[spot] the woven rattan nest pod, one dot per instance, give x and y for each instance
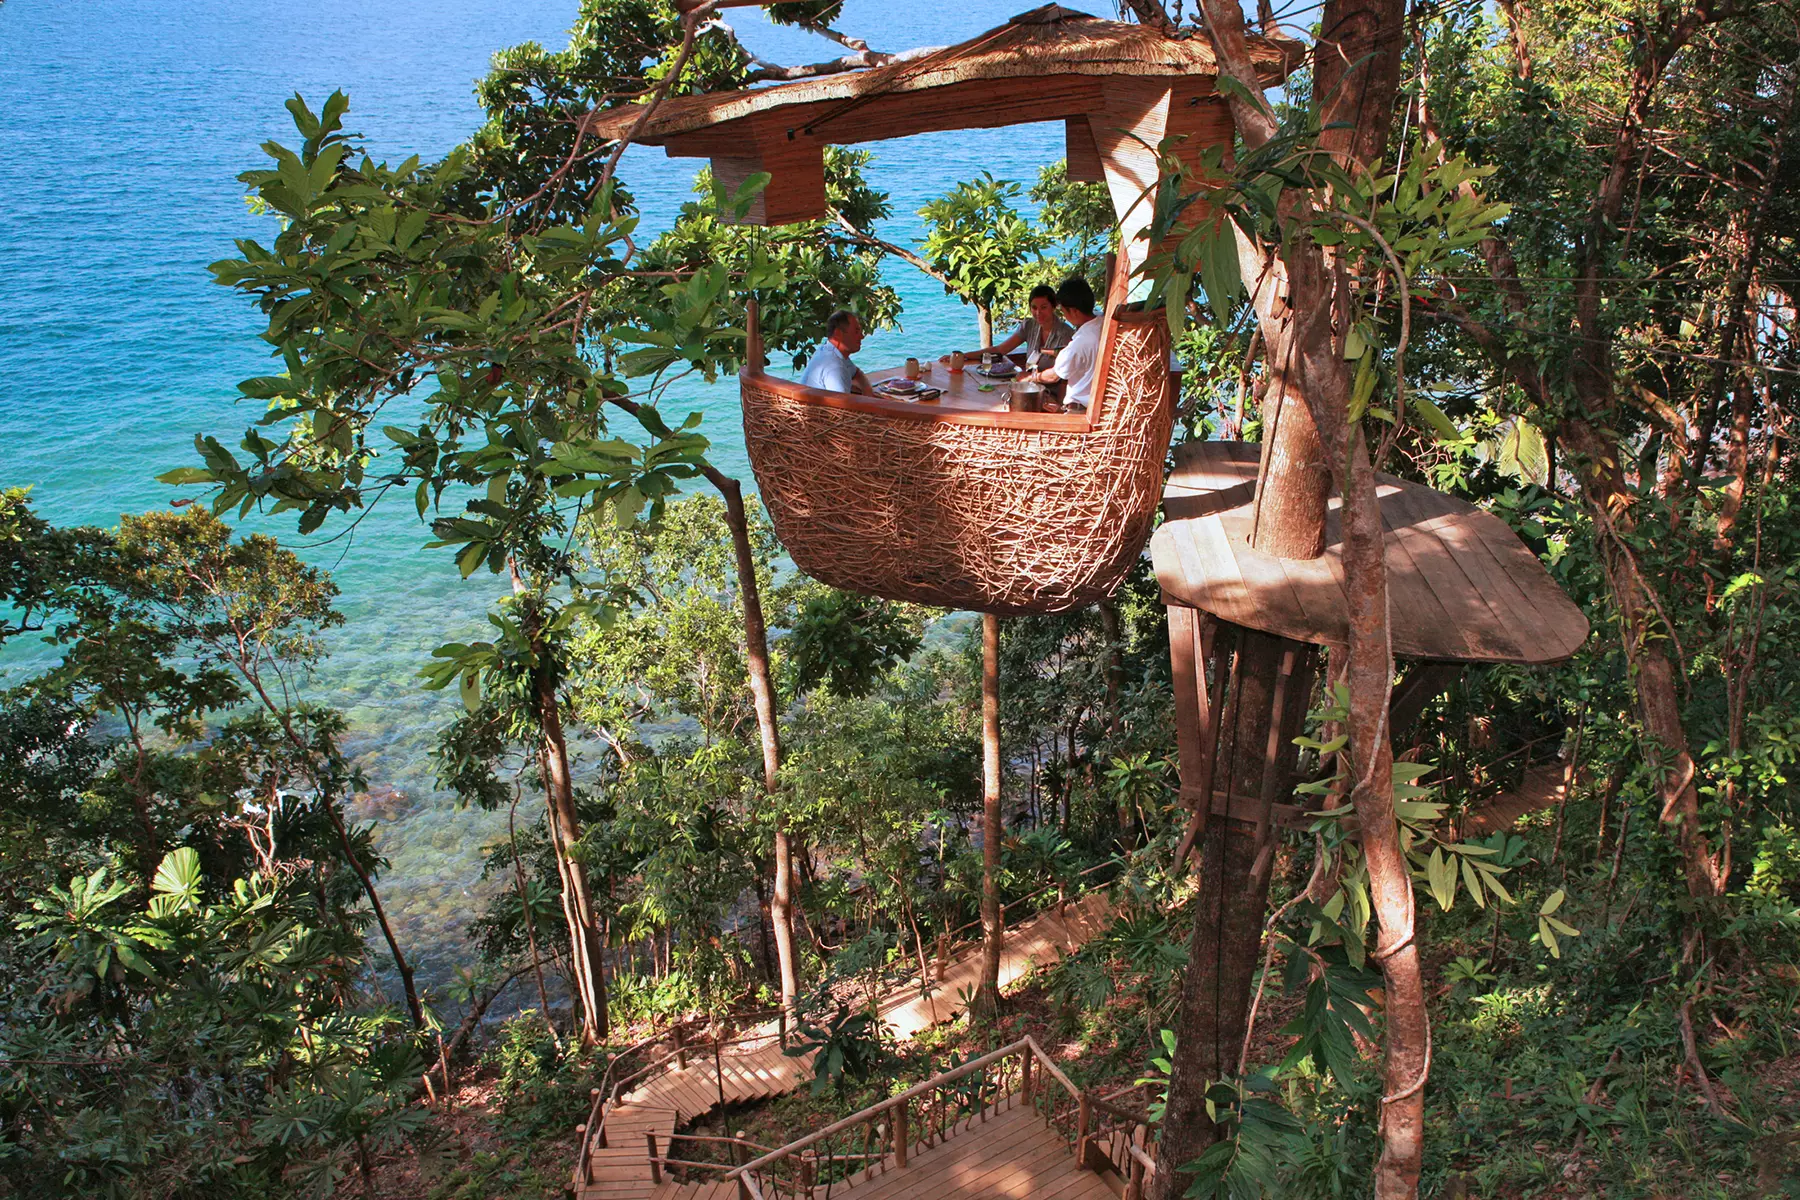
(1006, 513)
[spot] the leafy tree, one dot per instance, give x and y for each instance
(980, 246)
(240, 994)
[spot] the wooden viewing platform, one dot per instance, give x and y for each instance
(1462, 587)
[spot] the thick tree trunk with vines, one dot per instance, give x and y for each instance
(987, 996)
(1301, 298)
(1268, 682)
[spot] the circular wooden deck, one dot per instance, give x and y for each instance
(1462, 587)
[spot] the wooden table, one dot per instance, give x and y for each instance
(962, 389)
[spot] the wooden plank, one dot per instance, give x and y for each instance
(1564, 626)
(1463, 588)
(969, 1160)
(1421, 562)
(1189, 683)
(1212, 466)
(789, 389)
(1206, 555)
(1485, 574)
(1263, 574)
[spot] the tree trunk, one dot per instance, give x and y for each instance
(1654, 677)
(1270, 682)
(537, 965)
(987, 996)
(586, 946)
(407, 987)
(762, 693)
(984, 321)
(1293, 484)
(285, 718)
(1297, 291)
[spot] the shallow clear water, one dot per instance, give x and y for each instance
(123, 126)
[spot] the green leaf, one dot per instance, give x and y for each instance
(178, 875)
(1435, 417)
(1523, 454)
(1472, 881)
(181, 475)
(1442, 876)
(1220, 274)
(470, 690)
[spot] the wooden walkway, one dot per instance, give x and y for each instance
(1013, 1155)
(619, 1170)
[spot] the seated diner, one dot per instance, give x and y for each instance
(1076, 362)
(830, 368)
(1041, 333)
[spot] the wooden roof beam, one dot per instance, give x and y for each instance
(978, 104)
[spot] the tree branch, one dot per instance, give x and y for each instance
(864, 238)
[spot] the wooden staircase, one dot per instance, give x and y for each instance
(625, 1133)
(1007, 1125)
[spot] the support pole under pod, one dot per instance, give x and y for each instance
(987, 994)
(753, 340)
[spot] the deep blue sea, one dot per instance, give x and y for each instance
(123, 127)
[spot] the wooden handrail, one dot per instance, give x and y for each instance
(604, 1095)
(1111, 862)
(899, 1101)
(874, 1110)
(1049, 1065)
(697, 1137)
(663, 1160)
(1120, 1111)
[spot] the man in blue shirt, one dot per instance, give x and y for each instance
(831, 369)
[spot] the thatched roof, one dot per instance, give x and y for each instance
(1045, 42)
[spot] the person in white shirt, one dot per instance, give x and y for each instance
(1076, 362)
(830, 368)
(1043, 332)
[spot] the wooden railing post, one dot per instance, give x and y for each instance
(719, 1068)
(655, 1167)
(943, 955)
(1025, 1074)
(740, 1153)
(1083, 1123)
(803, 1177)
(594, 1103)
(680, 1049)
(900, 1135)
(1134, 1182)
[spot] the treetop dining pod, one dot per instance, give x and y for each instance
(999, 512)
(1017, 512)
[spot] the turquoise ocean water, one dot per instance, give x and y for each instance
(123, 126)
